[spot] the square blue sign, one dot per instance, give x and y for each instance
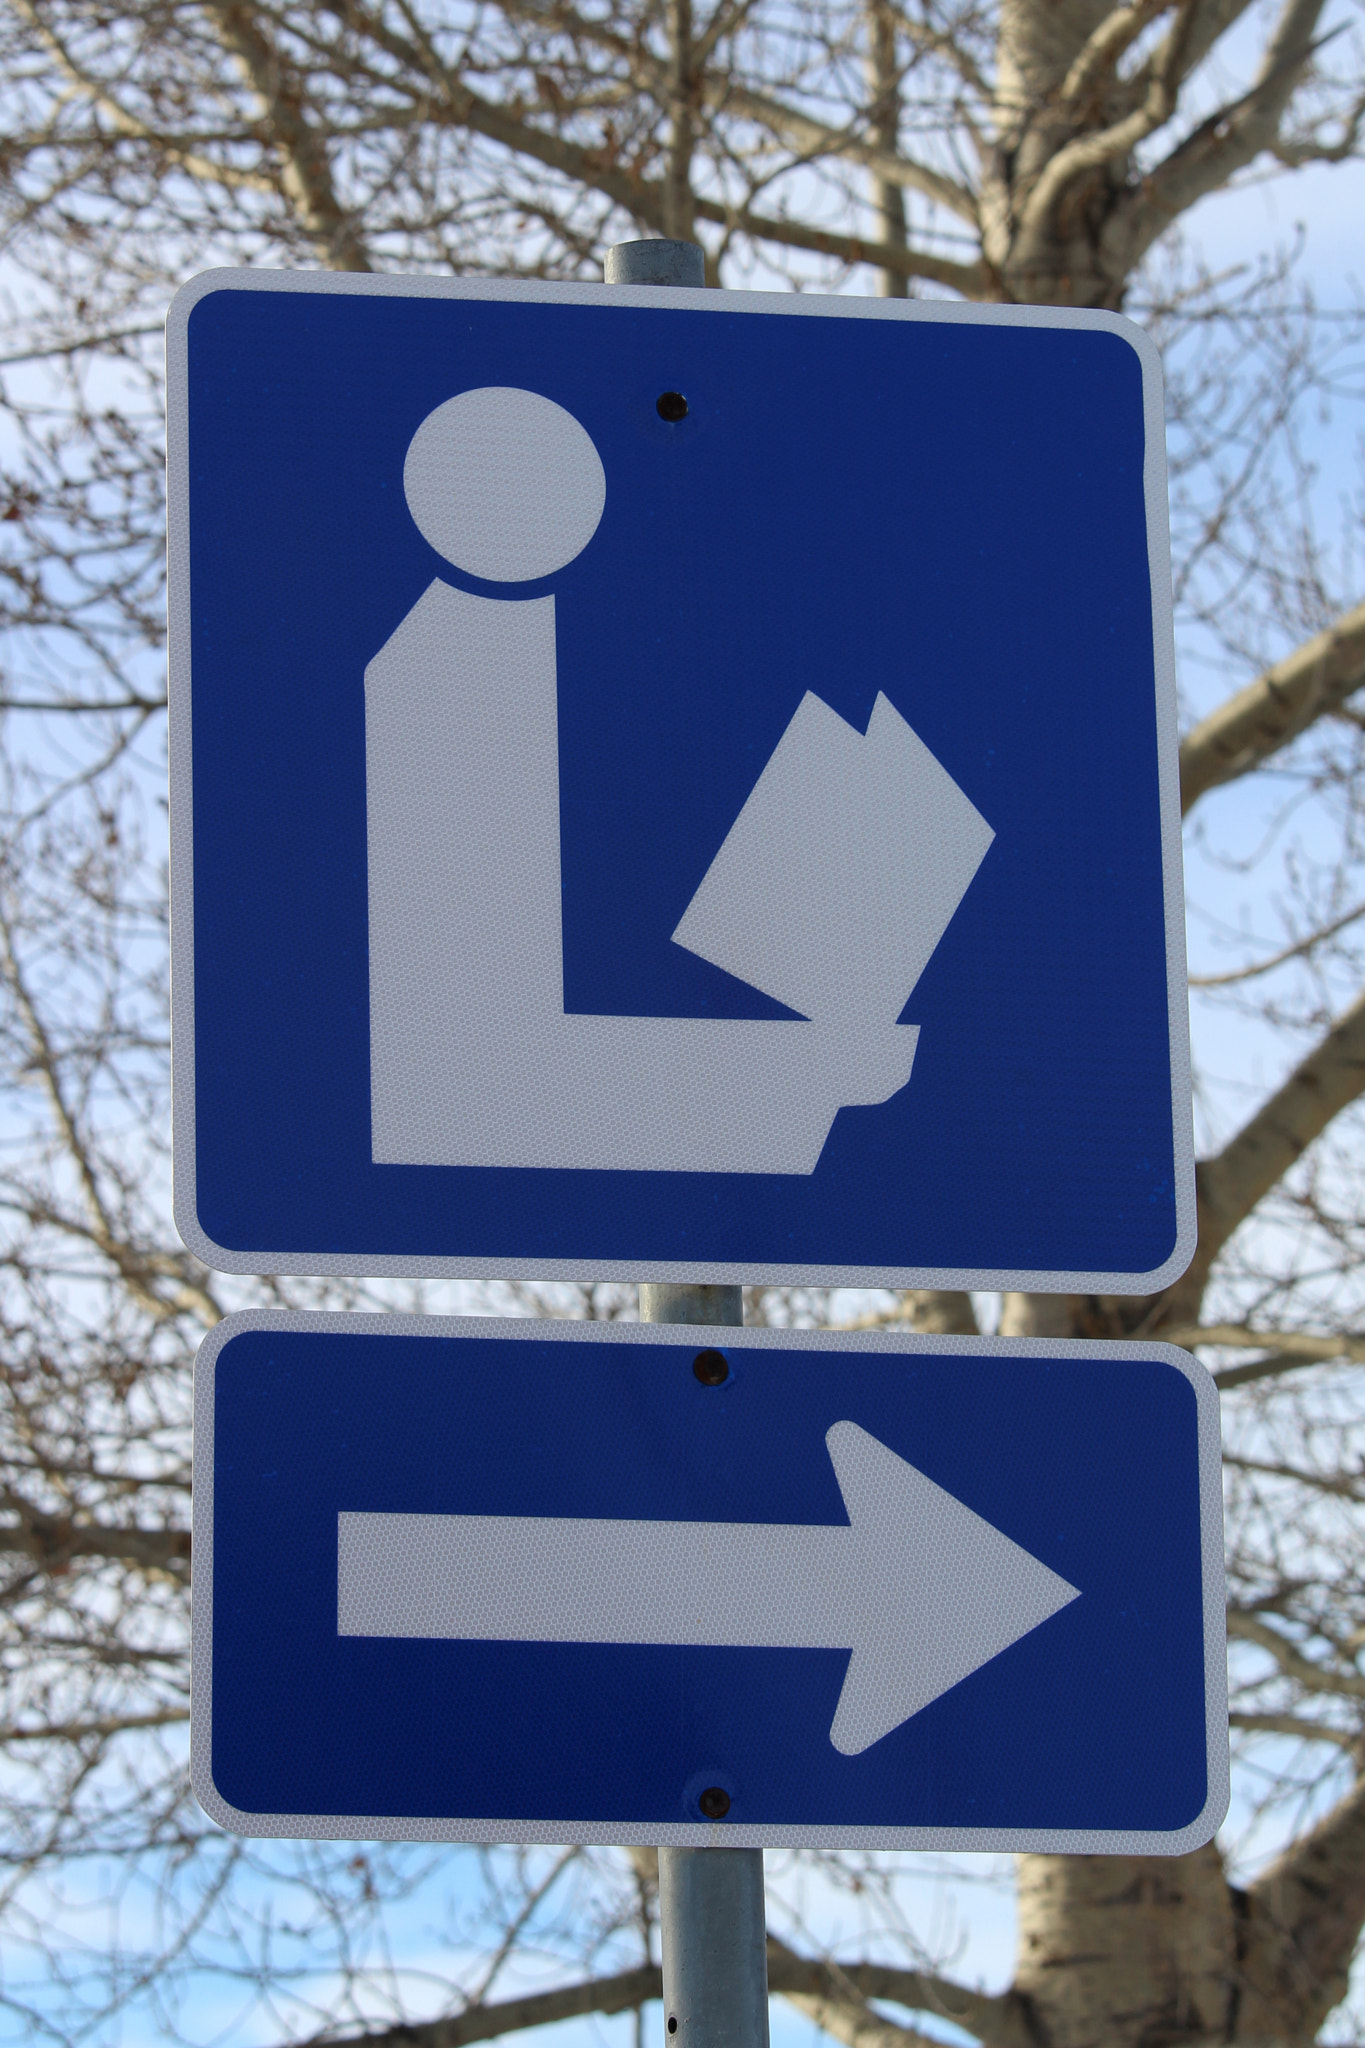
(672, 784)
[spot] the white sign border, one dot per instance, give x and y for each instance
(896, 1344)
(773, 1273)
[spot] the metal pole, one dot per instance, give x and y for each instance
(655, 262)
(715, 1948)
(711, 1916)
(711, 1909)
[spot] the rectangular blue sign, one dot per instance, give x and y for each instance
(673, 784)
(488, 1580)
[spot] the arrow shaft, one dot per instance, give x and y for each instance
(549, 1579)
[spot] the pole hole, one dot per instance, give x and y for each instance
(714, 1802)
(710, 1368)
(671, 406)
(672, 2023)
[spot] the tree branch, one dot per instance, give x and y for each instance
(1111, 144)
(307, 175)
(1290, 1661)
(451, 102)
(1291, 1724)
(971, 279)
(1103, 48)
(622, 1993)
(882, 66)
(1346, 1488)
(54, 1541)
(74, 348)
(1272, 1368)
(835, 1996)
(1290, 1347)
(1229, 1185)
(802, 131)
(172, 149)
(135, 1269)
(96, 1731)
(1294, 155)
(839, 1992)
(1327, 1081)
(1285, 954)
(817, 139)
(1209, 21)
(1244, 733)
(1229, 139)
(853, 2022)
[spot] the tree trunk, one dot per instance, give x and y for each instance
(1126, 1950)
(884, 120)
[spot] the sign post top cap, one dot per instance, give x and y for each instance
(655, 261)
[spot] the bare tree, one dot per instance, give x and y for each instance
(1042, 151)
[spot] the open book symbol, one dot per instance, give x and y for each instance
(829, 893)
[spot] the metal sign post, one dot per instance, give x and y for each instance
(714, 1947)
(711, 1906)
(712, 1922)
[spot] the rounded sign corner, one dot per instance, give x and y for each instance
(1178, 1260)
(1125, 329)
(196, 1240)
(225, 277)
(1201, 1831)
(1182, 1359)
(211, 1801)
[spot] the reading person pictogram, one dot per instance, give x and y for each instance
(829, 893)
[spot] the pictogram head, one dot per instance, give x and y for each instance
(504, 483)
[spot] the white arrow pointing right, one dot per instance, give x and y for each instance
(918, 1587)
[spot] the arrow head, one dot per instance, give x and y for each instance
(935, 1592)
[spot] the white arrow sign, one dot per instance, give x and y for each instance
(920, 1589)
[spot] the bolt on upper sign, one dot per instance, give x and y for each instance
(672, 783)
